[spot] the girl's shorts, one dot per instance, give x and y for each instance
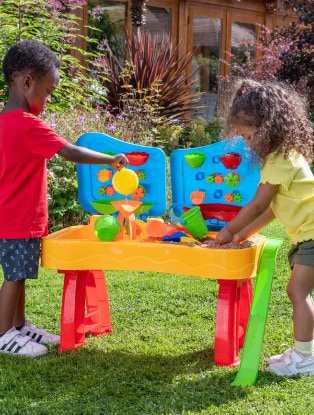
(302, 254)
(19, 258)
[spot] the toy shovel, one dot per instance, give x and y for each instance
(157, 229)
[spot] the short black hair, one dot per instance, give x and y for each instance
(28, 56)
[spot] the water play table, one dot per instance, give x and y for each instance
(81, 257)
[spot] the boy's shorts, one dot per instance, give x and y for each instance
(302, 254)
(19, 258)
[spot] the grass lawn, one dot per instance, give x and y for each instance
(158, 359)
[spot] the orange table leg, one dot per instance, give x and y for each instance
(80, 288)
(233, 309)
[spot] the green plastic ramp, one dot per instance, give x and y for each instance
(251, 353)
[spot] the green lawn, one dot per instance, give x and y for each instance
(158, 359)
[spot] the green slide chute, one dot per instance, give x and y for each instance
(251, 353)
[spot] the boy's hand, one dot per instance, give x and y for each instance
(223, 237)
(119, 161)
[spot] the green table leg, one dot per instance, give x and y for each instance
(251, 353)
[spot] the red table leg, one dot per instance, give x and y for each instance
(233, 308)
(80, 288)
(245, 301)
(97, 321)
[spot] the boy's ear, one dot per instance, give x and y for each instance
(27, 81)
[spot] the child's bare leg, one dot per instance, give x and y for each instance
(9, 298)
(299, 290)
(19, 317)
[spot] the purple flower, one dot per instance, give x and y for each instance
(53, 124)
(112, 127)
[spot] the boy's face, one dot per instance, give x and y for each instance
(38, 90)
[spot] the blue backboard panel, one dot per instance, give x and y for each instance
(94, 181)
(222, 173)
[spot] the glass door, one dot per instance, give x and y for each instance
(205, 42)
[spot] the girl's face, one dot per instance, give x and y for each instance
(245, 131)
(39, 91)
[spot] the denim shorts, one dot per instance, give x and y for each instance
(19, 258)
(302, 254)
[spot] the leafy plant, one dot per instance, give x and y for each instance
(64, 208)
(54, 23)
(104, 28)
(200, 133)
(153, 63)
(287, 53)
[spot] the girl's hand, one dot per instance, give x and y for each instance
(119, 161)
(224, 236)
(238, 237)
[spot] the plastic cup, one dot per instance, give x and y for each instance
(194, 222)
(125, 181)
(107, 228)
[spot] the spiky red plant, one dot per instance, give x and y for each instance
(152, 63)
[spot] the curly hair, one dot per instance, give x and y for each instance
(28, 56)
(277, 112)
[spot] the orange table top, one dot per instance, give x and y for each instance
(77, 248)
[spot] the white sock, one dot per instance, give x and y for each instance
(305, 348)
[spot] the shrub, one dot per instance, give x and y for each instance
(54, 23)
(200, 133)
(287, 53)
(149, 64)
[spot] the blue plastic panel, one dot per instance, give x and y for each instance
(231, 184)
(151, 174)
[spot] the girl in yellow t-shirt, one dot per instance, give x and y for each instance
(273, 121)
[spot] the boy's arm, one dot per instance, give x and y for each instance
(84, 155)
(249, 213)
(251, 229)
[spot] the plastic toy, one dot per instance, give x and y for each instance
(193, 221)
(137, 158)
(231, 160)
(226, 177)
(197, 197)
(77, 252)
(251, 353)
(126, 209)
(195, 159)
(107, 228)
(125, 181)
(157, 229)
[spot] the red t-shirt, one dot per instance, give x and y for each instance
(25, 144)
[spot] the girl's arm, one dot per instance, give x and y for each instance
(251, 229)
(83, 155)
(249, 213)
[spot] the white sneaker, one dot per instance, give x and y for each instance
(39, 335)
(293, 363)
(13, 342)
(278, 357)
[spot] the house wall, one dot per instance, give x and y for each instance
(195, 24)
(182, 11)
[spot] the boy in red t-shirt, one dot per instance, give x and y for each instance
(31, 72)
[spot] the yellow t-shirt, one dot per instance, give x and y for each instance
(293, 204)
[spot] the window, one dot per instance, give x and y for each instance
(243, 38)
(206, 62)
(110, 19)
(158, 21)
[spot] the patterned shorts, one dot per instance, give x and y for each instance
(19, 258)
